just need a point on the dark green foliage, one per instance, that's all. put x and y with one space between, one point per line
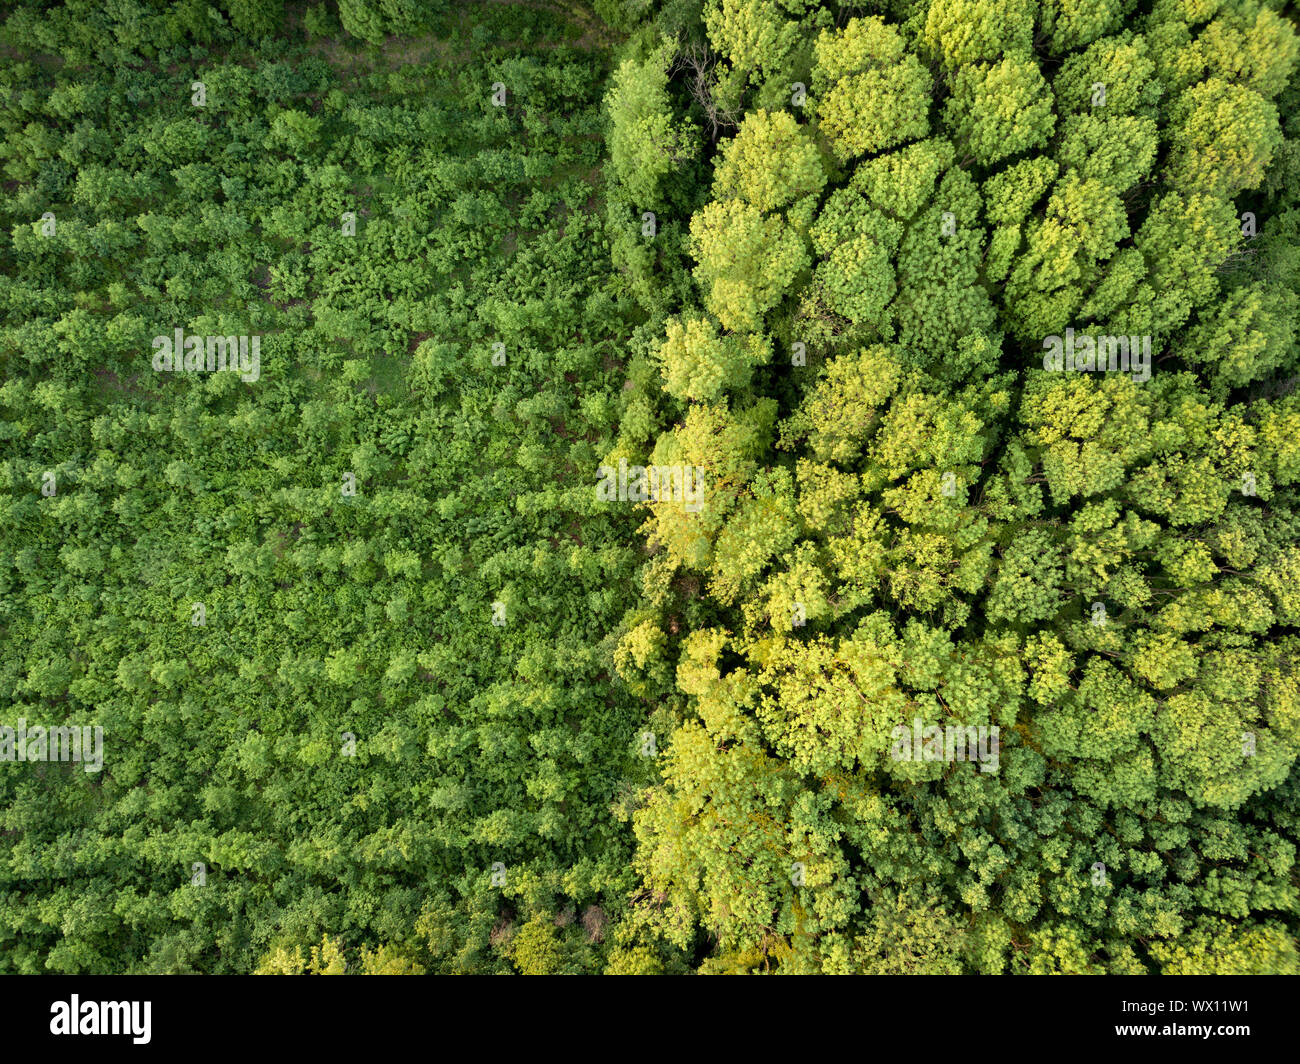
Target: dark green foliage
325 613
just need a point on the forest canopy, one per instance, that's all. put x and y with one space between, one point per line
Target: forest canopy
656 486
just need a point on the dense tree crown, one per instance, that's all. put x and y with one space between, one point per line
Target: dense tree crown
990 355
943 616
